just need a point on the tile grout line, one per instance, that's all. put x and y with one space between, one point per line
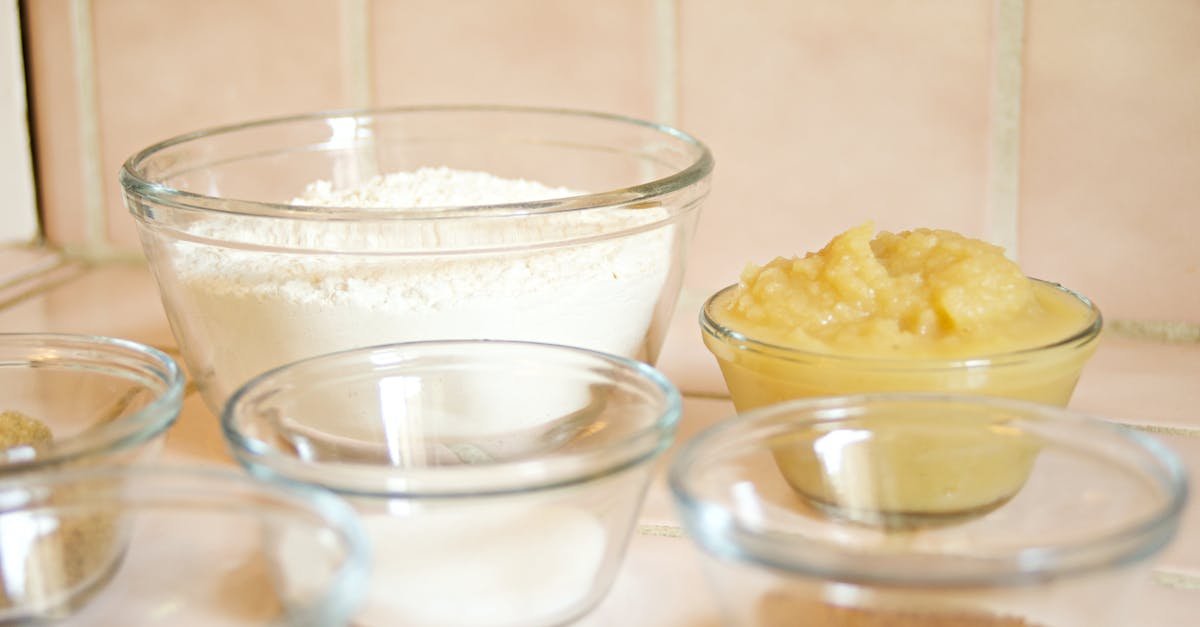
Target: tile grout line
356 53
666 84
1004 127
95 220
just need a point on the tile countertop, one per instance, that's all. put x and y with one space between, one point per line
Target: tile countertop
1149 385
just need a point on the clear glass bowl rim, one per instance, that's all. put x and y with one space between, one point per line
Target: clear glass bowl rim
349 583
137 185
490 479
1122 546
739 341
140 426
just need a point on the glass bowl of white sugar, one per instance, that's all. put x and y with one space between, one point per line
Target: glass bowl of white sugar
498 481
276 240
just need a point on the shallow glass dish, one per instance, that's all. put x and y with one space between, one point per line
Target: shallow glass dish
759 373
499 481
97 399
253 276
857 511
144 545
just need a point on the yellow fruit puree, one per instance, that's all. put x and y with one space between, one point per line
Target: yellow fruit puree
921 310
917 311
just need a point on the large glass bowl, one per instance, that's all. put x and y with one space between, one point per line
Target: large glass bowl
251 280
856 526
499 481
78 399
140 545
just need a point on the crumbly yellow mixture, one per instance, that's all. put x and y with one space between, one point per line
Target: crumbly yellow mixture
918 293
17 429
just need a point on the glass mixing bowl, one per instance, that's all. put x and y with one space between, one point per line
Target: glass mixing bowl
250 279
499 481
853 527
78 399
759 373
142 545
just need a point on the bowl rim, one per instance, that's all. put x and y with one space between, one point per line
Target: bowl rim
63 349
218 485
136 185
1128 544
465 481
1084 336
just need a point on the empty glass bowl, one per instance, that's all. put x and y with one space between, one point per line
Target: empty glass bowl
67 399
926 510
141 545
499 481
252 275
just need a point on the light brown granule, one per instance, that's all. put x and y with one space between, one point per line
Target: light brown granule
779 609
17 429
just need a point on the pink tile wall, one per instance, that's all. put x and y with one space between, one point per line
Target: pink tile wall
821 115
1110 175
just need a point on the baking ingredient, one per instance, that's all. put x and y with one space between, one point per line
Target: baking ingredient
17 429
780 609
922 310
305 287
51 560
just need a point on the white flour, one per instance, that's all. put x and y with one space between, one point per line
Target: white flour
250 310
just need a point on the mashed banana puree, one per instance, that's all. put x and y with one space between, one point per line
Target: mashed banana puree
920 310
917 311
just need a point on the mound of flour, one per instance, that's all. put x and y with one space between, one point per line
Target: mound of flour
251 310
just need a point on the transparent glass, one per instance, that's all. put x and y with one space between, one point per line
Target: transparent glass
926 509
145 545
101 400
499 481
760 373
250 280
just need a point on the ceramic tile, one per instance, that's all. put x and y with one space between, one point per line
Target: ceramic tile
118 300
196 436
572 53
824 115
55 114
698 414
1111 122
235 61
660 584
1142 383
684 358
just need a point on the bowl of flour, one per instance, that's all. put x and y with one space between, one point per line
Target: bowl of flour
278 240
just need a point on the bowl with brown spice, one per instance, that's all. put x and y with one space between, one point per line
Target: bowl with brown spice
76 399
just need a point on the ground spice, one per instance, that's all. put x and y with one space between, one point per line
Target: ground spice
17 429
779 609
69 552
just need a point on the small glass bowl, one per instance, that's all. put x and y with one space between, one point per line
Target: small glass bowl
759 373
856 529
104 400
499 481
251 280
143 545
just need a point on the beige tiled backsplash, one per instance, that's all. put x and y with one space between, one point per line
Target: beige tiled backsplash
1068 131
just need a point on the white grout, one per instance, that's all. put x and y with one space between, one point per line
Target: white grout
1001 221
92 181
666 93
356 52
